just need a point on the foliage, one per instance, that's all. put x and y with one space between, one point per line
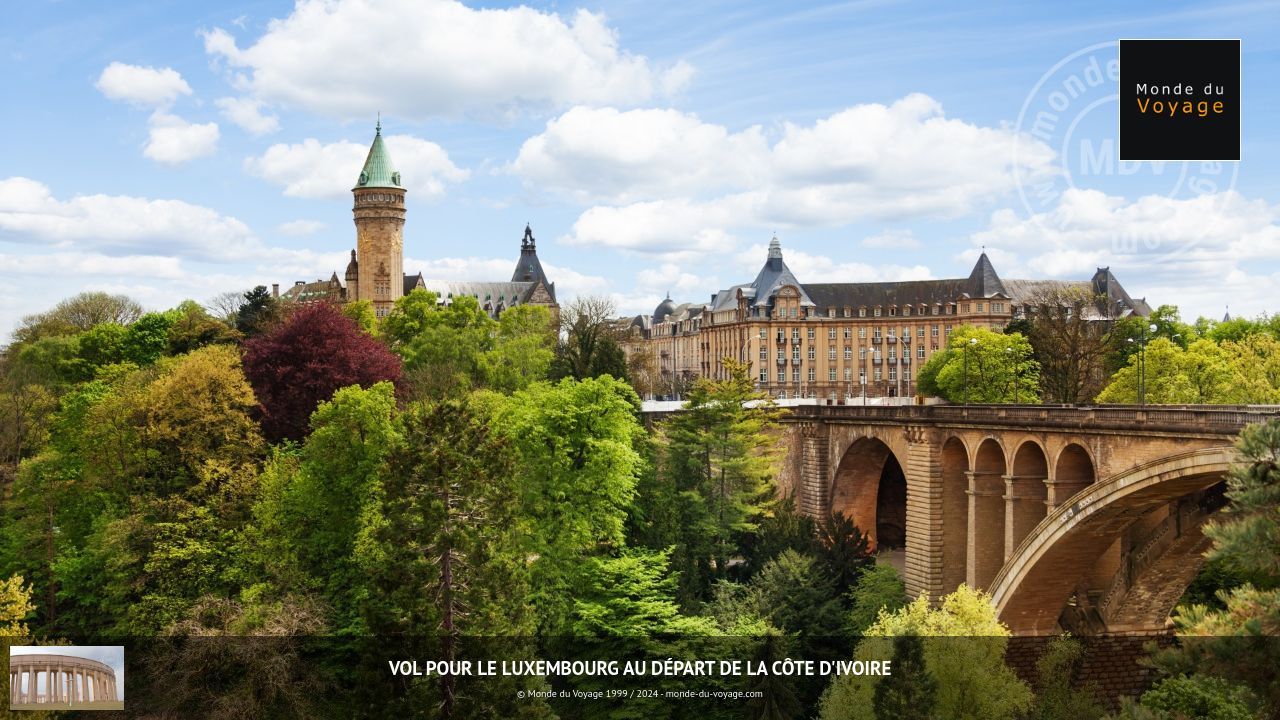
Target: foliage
300 363
972 679
844 552
781 527
994 368
910 691
15 606
76 314
878 589
257 312
361 311
147 338
522 349
793 593
590 348
720 459
631 595
1245 371
1055 698
1199 697
1071 343
192 328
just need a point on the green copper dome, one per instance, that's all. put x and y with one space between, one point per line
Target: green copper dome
378 171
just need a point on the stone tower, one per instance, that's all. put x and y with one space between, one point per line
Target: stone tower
378 265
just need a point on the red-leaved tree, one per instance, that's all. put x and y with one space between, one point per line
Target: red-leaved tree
301 362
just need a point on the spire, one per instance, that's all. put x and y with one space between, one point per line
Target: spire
353 267
527 241
1226 317
378 170
528 268
775 248
983 281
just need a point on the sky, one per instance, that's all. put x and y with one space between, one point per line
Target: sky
171 150
112 655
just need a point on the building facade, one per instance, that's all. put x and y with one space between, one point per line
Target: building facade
376 270
835 340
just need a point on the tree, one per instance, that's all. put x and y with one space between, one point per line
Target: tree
878 589
844 552
15 606
590 348
1237 643
964 646
257 312
1070 341
361 311
522 349
1255 368
78 313
995 368
910 691
225 306
630 595
442 345
794 594
1172 375
300 363
147 338
720 459
1055 698
574 478
193 328
1197 696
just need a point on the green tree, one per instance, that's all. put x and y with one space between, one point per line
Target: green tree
78 313
148 338
1196 698
910 691
1237 643
101 345
983 366
631 595
796 595
574 477
590 347
257 312
843 550
720 458
964 646
361 311
192 328
878 589
522 349
1255 367
1166 377
15 607
1055 698
442 345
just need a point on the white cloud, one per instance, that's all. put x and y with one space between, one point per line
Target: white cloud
97 264
347 58
619 157
174 141
1197 252
810 268
665 179
892 240
313 170
674 279
248 114
118 224
142 85
300 227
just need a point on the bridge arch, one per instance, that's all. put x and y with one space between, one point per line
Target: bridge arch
955 512
1026 493
1073 470
870 488
986 512
1033 587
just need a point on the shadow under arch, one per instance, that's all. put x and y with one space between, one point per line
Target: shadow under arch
1033 587
869 487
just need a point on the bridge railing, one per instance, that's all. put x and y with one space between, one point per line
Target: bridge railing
1211 418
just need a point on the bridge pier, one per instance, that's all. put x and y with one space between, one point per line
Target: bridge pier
926 525
986 526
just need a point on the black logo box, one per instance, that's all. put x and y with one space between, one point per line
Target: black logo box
1160 77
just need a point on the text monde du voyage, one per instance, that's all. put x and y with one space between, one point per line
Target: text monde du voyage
1179 99
661 668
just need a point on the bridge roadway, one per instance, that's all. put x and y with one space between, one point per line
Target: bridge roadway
1079 518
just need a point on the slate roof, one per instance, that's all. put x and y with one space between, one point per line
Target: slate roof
378 172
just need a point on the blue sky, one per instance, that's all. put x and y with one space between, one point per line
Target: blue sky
170 150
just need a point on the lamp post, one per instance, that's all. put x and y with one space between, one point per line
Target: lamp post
972 342
1013 374
1142 362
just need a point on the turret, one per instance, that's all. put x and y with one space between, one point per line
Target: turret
379 216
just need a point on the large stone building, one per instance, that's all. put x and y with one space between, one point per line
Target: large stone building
836 340
376 271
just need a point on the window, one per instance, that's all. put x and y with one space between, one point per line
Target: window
831 375
934 348
862 376
933 331
862 353
764 334
879 375
831 312
966 308
893 310
764 375
920 331
848 333
906 375
848 353
997 307
811 331
831 333
782 376
795 353
764 353
979 307
813 352
862 312
906 310
862 333
795 334
875 334
848 372
793 311
948 332
893 374
831 353
877 312
893 354
812 375
920 351
795 375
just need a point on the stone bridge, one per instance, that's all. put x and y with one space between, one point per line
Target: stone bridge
1079 518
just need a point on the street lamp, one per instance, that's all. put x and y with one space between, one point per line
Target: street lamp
1142 362
1013 375
972 342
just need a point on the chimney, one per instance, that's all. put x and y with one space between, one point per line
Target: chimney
275 289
